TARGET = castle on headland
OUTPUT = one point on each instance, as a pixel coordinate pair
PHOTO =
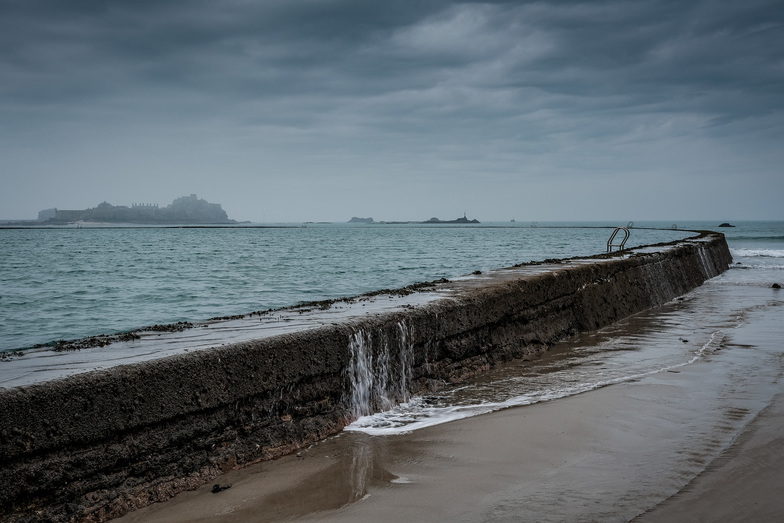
(185, 210)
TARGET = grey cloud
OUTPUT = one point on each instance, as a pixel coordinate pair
(285, 49)
(430, 86)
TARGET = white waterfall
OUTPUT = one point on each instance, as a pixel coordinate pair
(406, 344)
(706, 265)
(379, 369)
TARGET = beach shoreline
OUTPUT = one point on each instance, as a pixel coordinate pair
(558, 452)
(699, 443)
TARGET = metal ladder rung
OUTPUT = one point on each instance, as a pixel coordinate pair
(621, 245)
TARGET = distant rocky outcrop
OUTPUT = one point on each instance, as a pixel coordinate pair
(185, 210)
(458, 220)
(431, 220)
(725, 224)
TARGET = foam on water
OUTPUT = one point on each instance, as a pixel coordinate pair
(764, 253)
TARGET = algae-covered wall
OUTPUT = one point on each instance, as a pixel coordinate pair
(97, 445)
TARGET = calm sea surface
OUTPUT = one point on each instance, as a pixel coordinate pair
(69, 283)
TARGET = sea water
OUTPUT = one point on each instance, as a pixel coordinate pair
(70, 283)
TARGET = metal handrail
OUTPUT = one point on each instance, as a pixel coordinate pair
(621, 245)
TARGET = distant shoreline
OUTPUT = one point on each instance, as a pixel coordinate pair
(371, 221)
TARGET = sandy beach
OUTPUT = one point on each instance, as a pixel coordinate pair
(704, 442)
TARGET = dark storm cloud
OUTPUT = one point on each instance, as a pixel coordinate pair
(665, 54)
(180, 44)
(49, 48)
(537, 84)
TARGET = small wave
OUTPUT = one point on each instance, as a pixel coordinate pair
(419, 414)
(757, 266)
(715, 341)
(757, 253)
(772, 238)
(416, 414)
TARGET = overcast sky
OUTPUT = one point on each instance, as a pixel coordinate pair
(311, 110)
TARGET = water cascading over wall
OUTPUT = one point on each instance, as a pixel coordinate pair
(379, 370)
(98, 445)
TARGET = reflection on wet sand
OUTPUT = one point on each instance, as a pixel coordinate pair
(347, 480)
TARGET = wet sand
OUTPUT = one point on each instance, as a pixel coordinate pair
(704, 443)
(745, 483)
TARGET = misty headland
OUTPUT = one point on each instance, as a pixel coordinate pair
(183, 210)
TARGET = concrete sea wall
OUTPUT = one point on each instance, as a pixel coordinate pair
(97, 445)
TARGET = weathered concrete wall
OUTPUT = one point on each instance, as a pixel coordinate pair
(95, 446)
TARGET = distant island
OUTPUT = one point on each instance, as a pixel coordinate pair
(185, 210)
(458, 220)
(431, 220)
